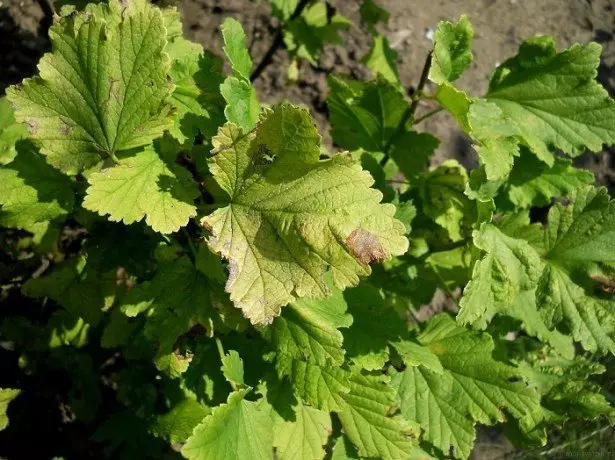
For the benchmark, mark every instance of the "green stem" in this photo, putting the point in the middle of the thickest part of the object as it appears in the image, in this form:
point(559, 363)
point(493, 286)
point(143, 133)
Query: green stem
point(190, 245)
point(220, 348)
point(451, 246)
point(428, 115)
point(411, 110)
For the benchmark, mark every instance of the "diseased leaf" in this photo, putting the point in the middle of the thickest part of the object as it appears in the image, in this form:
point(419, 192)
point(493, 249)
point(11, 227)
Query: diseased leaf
point(103, 88)
point(148, 185)
point(32, 192)
point(291, 216)
point(237, 429)
point(452, 52)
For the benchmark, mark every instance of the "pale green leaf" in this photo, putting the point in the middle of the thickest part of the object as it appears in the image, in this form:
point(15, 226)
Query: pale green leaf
point(10, 132)
point(102, 89)
point(304, 437)
point(291, 216)
point(242, 107)
point(148, 185)
point(366, 419)
point(239, 429)
point(232, 368)
point(553, 98)
point(452, 52)
point(364, 115)
point(6, 396)
point(381, 59)
point(32, 192)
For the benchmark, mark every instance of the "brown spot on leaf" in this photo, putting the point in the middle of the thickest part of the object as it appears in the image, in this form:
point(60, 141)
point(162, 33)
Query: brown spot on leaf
point(606, 284)
point(365, 246)
point(65, 130)
point(32, 126)
point(207, 226)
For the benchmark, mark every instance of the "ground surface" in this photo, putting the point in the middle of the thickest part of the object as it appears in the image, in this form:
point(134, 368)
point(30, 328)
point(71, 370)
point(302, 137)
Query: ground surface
point(500, 27)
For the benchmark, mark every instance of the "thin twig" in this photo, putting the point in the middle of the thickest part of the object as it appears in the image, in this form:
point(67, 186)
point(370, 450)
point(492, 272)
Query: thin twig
point(277, 41)
point(428, 114)
point(410, 111)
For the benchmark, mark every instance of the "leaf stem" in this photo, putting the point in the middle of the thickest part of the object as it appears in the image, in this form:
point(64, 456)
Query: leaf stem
point(410, 111)
point(220, 348)
point(451, 246)
point(428, 115)
point(277, 41)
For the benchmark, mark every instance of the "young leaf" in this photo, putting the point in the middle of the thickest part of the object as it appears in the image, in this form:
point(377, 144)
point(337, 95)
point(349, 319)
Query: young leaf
point(242, 107)
point(232, 368)
point(291, 215)
point(365, 416)
point(147, 185)
point(474, 387)
point(6, 396)
point(32, 192)
point(237, 429)
point(102, 89)
point(452, 52)
point(553, 98)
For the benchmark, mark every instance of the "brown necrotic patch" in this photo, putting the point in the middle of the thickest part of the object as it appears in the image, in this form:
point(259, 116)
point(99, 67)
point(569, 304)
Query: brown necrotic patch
point(365, 246)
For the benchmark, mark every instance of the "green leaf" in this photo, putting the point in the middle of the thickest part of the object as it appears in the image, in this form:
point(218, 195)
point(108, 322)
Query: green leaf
point(232, 368)
point(306, 36)
point(102, 89)
point(148, 185)
point(508, 267)
point(533, 183)
point(176, 296)
point(364, 115)
point(6, 396)
point(307, 330)
point(375, 324)
point(415, 354)
point(344, 450)
point(242, 107)
point(236, 49)
point(381, 59)
point(442, 194)
point(474, 388)
point(411, 151)
point(372, 14)
point(176, 425)
point(237, 429)
point(283, 9)
point(32, 192)
point(197, 76)
point(553, 98)
point(291, 216)
point(304, 437)
point(365, 416)
point(452, 52)
point(83, 291)
point(10, 132)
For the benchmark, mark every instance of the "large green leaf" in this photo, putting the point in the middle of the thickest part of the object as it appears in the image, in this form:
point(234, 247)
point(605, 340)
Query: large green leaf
point(103, 88)
point(290, 216)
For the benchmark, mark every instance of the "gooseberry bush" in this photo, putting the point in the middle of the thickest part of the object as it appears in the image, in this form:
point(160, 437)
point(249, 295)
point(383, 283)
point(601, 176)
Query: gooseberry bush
point(218, 284)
